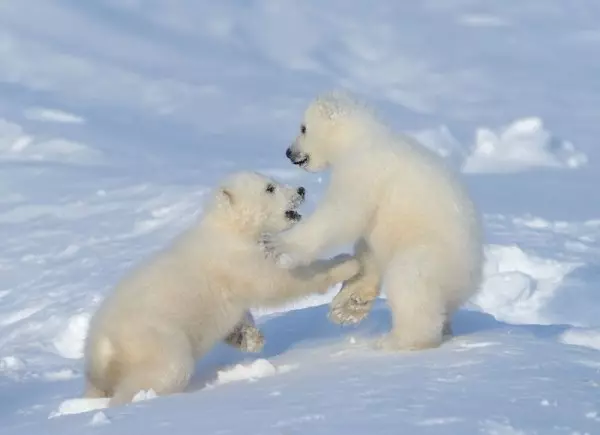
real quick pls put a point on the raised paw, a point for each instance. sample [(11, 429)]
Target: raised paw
[(277, 250), (350, 310)]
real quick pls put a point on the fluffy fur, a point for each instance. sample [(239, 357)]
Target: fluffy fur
[(414, 226), (171, 310)]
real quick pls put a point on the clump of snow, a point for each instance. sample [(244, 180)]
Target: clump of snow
[(99, 418), (18, 145), (260, 368), (69, 343), (143, 395), (78, 406), (582, 337), (52, 115), (517, 286), (522, 145)]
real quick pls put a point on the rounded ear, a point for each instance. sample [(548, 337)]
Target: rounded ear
[(225, 196)]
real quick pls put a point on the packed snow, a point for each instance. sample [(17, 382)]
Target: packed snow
[(118, 117)]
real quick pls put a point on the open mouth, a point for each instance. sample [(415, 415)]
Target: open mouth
[(301, 162), (293, 215)]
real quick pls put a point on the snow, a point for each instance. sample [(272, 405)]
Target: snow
[(117, 117), (99, 418), (17, 144), (43, 114), (77, 406), (522, 145), (69, 342), (517, 286), (257, 369), (582, 337)]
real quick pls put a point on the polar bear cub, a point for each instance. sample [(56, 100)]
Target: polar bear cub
[(415, 228), (149, 332)]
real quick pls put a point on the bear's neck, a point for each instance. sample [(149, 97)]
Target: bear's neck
[(224, 223)]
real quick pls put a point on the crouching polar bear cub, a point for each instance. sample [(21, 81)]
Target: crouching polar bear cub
[(149, 332), (414, 226)]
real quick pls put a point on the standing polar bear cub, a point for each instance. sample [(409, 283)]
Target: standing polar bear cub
[(169, 312), (414, 226)]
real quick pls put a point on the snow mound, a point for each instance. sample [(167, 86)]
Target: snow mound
[(261, 368), (517, 286), (582, 337), (81, 405), (78, 406), (522, 145), (18, 145)]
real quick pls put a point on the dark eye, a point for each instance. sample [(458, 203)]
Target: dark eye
[(270, 188), (303, 129)]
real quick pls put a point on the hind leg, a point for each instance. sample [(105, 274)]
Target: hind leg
[(166, 371), (415, 291), (355, 299)]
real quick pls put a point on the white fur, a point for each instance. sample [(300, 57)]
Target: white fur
[(171, 310), (416, 229)]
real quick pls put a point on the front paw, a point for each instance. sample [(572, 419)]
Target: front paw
[(352, 304), (284, 254), (349, 311)]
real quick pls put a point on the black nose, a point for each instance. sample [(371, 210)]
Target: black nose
[(293, 215), (288, 153), (301, 191)]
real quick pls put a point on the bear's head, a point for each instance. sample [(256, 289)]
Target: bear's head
[(254, 203), (332, 124)]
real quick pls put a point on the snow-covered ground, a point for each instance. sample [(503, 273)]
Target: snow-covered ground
[(118, 116)]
